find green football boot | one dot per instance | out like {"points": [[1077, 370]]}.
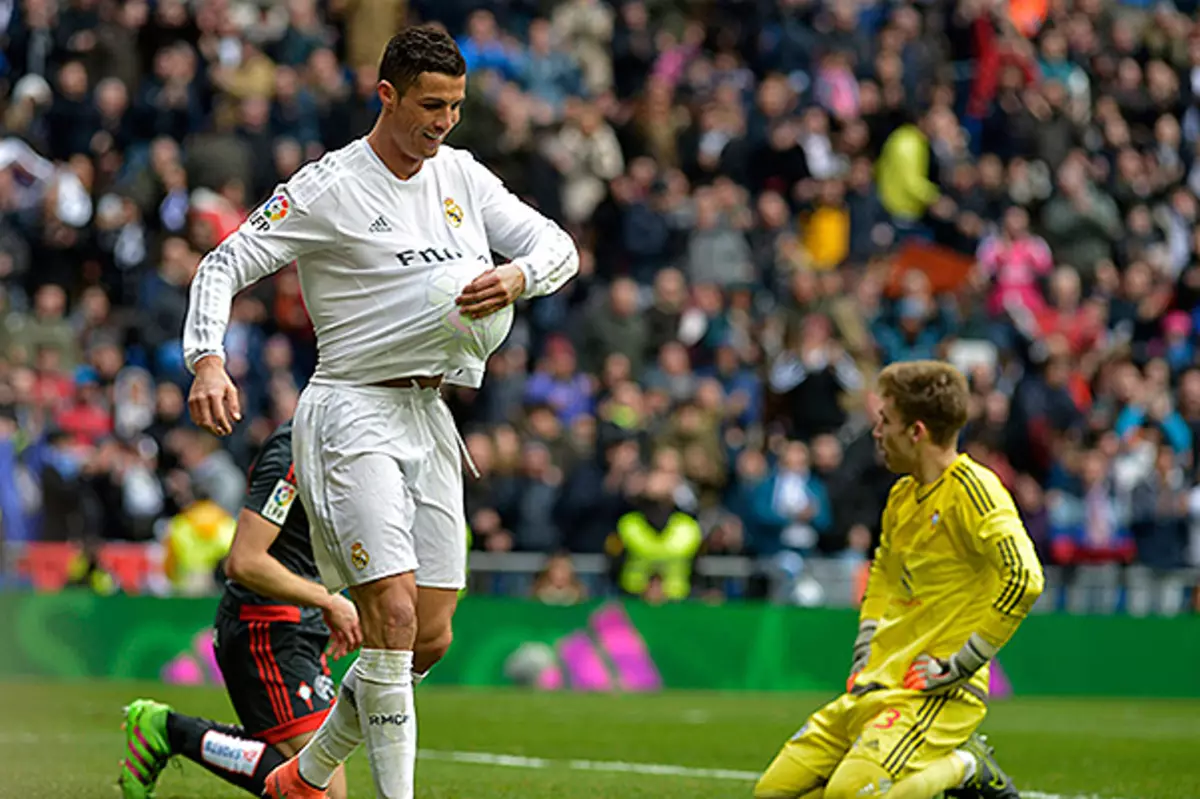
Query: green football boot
{"points": [[989, 781], [147, 750]]}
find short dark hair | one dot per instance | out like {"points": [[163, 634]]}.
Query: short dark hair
{"points": [[421, 48], [931, 392]]}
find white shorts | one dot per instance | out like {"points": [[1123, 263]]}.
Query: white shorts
{"points": [[380, 475]]}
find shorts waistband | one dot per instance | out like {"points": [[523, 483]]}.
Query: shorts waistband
{"points": [[425, 388], [272, 613], [954, 693], [412, 381]]}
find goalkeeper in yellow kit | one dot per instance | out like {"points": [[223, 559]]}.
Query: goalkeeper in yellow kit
{"points": [[954, 575]]}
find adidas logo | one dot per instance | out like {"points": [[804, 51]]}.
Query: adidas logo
{"points": [[380, 225]]}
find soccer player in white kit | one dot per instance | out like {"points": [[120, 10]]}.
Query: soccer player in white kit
{"points": [[393, 237]]}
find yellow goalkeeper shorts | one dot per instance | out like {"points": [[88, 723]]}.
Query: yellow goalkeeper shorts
{"points": [[901, 731]]}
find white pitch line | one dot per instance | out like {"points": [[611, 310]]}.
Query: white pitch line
{"points": [[612, 766], [29, 738], [653, 769], [540, 763]]}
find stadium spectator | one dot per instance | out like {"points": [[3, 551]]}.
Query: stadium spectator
{"points": [[559, 384], [615, 326], [196, 541], [654, 545], [1085, 522], [558, 584]]}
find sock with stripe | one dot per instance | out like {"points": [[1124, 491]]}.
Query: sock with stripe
{"points": [[224, 750], [336, 739]]}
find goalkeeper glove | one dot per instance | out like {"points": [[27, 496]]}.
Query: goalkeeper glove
{"points": [[862, 650], [928, 673]]}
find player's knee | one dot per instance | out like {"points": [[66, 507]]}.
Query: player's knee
{"points": [[388, 614], [292, 746], [765, 789], [397, 616], [858, 779], [786, 779]]}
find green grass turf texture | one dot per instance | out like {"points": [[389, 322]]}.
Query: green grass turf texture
{"points": [[62, 741]]}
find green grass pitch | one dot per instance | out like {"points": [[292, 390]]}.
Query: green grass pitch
{"points": [[61, 741]]}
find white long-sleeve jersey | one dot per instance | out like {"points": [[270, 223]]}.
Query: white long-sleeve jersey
{"points": [[381, 261]]}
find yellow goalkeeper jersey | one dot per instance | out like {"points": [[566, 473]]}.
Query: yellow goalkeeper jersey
{"points": [[954, 559]]}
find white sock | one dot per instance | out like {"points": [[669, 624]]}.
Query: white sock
{"points": [[969, 766], [388, 719], [417, 676], [337, 737]]}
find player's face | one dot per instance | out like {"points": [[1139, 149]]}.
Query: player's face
{"points": [[424, 115], [895, 439]]}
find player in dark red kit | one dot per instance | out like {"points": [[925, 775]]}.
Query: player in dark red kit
{"points": [[274, 625]]}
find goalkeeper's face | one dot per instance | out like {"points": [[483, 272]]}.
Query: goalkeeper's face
{"points": [[896, 439], [422, 117]]}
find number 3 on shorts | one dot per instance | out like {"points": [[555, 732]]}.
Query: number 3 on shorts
{"points": [[886, 719]]}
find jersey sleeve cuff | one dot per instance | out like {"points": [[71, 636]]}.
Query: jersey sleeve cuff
{"points": [[194, 358], [526, 270]]}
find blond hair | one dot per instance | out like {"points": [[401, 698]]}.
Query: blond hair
{"points": [[930, 392]]}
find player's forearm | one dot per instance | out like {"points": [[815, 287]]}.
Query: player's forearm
{"points": [[541, 249], [1020, 586], [265, 575], [235, 264], [862, 644], [553, 260]]}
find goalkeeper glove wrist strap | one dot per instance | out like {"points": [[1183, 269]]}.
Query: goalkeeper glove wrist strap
{"points": [[975, 653], [862, 643]]}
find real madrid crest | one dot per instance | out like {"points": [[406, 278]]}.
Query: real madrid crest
{"points": [[454, 212], [359, 555]]}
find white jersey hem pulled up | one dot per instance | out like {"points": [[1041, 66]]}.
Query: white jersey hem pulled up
{"points": [[381, 261]]}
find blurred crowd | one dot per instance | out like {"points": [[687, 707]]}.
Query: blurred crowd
{"points": [[773, 198]]}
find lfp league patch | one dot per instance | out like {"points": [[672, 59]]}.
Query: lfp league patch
{"points": [[279, 503], [272, 212]]}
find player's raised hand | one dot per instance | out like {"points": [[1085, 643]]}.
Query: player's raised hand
{"points": [[345, 631], [213, 401], [491, 291], [928, 673]]}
